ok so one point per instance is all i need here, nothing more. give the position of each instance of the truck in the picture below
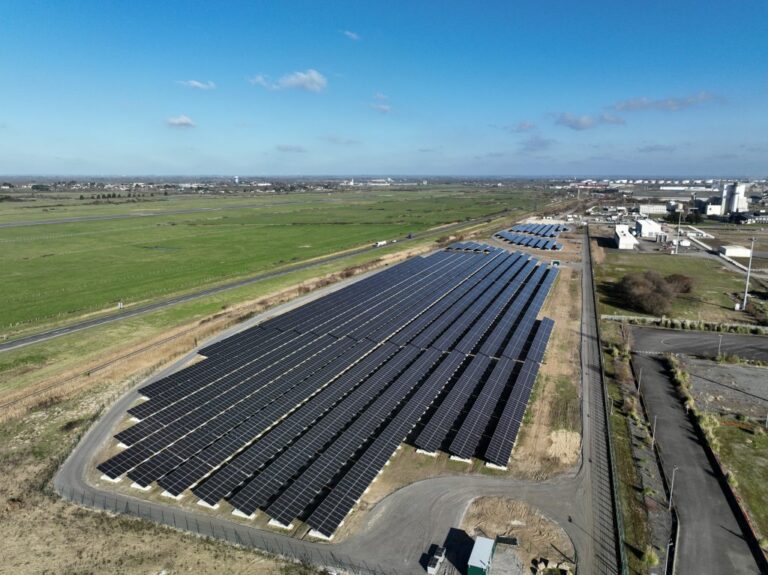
(380, 244)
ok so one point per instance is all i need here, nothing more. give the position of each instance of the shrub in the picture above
(680, 283)
(647, 292)
(650, 557)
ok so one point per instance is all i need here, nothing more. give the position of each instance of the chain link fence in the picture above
(311, 555)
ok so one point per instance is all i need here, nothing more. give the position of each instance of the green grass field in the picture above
(58, 272)
(709, 300)
(744, 450)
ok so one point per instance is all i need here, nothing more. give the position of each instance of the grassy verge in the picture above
(743, 451)
(634, 513)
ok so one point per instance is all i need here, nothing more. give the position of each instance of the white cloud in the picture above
(341, 141)
(585, 122)
(654, 148)
(490, 156)
(669, 104)
(180, 122)
(197, 85)
(260, 80)
(291, 149)
(351, 35)
(310, 80)
(535, 143)
(381, 103)
(519, 128)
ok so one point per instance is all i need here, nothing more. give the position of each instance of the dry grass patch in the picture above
(550, 440)
(538, 537)
(43, 534)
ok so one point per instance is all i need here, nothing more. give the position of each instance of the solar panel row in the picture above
(301, 492)
(471, 247)
(274, 476)
(299, 414)
(504, 435)
(545, 230)
(527, 241)
(255, 455)
(327, 517)
(434, 433)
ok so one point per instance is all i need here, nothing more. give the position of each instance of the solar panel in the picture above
(263, 486)
(468, 437)
(504, 436)
(303, 491)
(244, 465)
(331, 511)
(316, 389)
(439, 425)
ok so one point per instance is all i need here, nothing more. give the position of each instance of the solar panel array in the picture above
(543, 230)
(470, 247)
(540, 236)
(298, 415)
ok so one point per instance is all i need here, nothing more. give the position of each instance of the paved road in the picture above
(134, 311)
(401, 527)
(699, 343)
(711, 540)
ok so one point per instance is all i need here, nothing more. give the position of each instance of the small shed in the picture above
(481, 557)
(623, 239)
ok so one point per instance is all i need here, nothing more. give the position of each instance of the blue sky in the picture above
(411, 87)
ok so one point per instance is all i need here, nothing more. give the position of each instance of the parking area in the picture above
(729, 389)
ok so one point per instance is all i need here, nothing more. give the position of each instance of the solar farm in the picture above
(297, 416)
(539, 236)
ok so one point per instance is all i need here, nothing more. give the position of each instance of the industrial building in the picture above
(734, 198)
(648, 209)
(623, 239)
(734, 251)
(647, 228)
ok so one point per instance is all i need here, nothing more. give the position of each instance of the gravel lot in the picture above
(728, 388)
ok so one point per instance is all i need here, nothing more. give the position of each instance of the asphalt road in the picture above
(699, 343)
(711, 539)
(401, 527)
(133, 311)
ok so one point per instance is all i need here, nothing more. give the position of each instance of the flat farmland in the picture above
(61, 271)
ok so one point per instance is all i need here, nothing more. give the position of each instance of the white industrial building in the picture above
(647, 209)
(624, 240)
(647, 229)
(734, 251)
(734, 198)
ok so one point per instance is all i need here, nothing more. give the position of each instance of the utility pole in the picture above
(666, 559)
(749, 271)
(719, 345)
(672, 488)
(679, 219)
